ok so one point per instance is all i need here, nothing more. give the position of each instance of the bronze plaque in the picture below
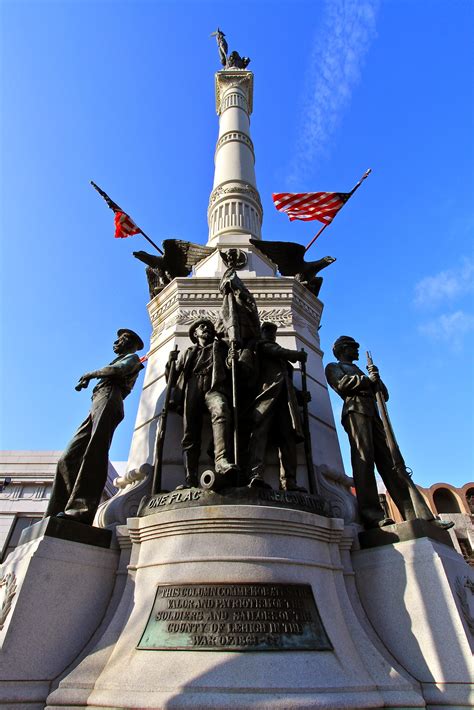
(235, 617)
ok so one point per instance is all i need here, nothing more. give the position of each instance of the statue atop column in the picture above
(233, 60)
(370, 442)
(81, 471)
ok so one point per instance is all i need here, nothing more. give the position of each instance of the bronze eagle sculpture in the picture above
(178, 259)
(289, 258)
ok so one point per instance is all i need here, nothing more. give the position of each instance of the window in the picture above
(470, 500)
(445, 501)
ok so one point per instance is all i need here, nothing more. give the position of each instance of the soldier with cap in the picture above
(202, 383)
(275, 410)
(364, 427)
(81, 471)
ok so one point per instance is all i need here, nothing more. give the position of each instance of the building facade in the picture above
(26, 479)
(450, 503)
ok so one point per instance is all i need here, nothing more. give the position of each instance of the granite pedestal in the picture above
(150, 653)
(419, 599)
(55, 593)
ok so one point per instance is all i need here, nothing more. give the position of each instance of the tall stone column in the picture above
(235, 208)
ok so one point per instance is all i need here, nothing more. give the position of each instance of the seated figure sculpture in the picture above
(275, 410)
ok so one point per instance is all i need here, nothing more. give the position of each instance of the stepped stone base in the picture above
(182, 560)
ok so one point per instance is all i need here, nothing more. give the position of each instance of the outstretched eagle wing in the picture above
(288, 256)
(180, 256)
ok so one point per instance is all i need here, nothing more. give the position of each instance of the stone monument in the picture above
(217, 593)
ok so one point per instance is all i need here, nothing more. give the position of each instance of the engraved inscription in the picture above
(240, 617)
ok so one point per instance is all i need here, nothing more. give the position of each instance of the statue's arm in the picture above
(345, 384)
(125, 366)
(276, 351)
(377, 384)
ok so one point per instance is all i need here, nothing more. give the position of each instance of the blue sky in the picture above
(123, 93)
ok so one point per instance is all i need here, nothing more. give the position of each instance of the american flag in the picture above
(309, 206)
(124, 225)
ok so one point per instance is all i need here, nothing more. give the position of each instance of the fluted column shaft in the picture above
(234, 206)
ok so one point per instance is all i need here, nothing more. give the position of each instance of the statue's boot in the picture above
(443, 524)
(289, 484)
(191, 463)
(222, 465)
(259, 482)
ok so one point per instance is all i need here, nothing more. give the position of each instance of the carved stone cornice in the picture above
(228, 78)
(237, 136)
(282, 300)
(229, 190)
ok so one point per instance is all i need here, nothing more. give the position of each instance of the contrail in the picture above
(340, 46)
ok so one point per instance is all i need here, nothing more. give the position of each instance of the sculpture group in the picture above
(236, 375)
(236, 372)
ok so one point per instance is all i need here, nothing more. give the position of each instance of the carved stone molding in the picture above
(235, 136)
(230, 78)
(463, 584)
(8, 588)
(188, 316)
(244, 190)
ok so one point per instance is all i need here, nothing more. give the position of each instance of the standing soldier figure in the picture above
(202, 383)
(275, 409)
(361, 420)
(81, 471)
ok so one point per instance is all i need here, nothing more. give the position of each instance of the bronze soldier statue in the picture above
(364, 427)
(81, 471)
(203, 383)
(275, 410)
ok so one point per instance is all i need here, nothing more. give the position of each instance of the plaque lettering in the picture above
(239, 617)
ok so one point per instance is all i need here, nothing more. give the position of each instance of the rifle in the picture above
(420, 508)
(161, 426)
(233, 333)
(308, 449)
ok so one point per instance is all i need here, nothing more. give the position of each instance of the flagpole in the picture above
(356, 186)
(114, 206)
(314, 238)
(151, 242)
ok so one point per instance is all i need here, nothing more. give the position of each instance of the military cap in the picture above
(196, 325)
(341, 342)
(138, 341)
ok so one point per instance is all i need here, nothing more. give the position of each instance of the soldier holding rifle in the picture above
(202, 383)
(368, 440)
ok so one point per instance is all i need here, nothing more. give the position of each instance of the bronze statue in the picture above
(221, 45)
(81, 471)
(178, 259)
(289, 257)
(239, 320)
(234, 60)
(367, 437)
(203, 383)
(275, 410)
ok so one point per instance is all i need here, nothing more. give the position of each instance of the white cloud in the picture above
(446, 285)
(340, 46)
(449, 327)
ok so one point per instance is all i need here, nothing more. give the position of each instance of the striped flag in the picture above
(124, 225)
(308, 206)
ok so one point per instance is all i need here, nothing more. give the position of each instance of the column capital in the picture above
(238, 78)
